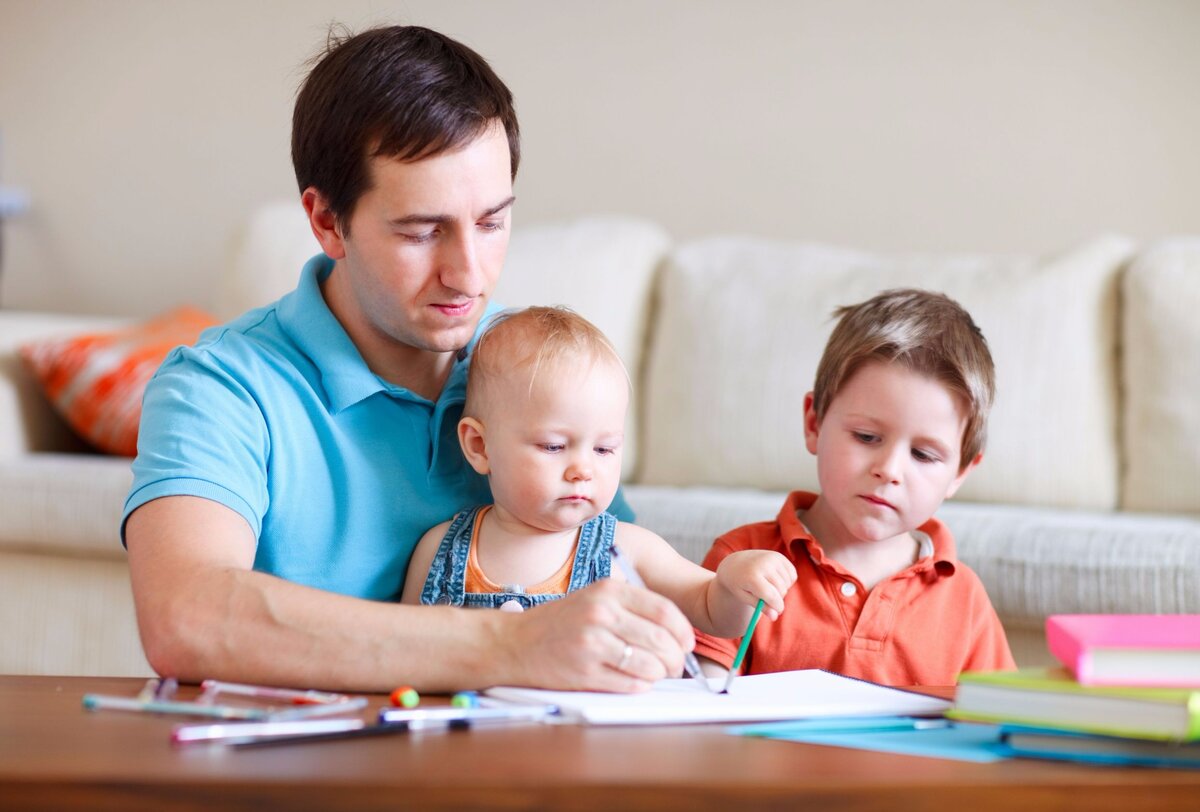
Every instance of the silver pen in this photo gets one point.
(690, 663)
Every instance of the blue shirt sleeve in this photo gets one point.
(202, 434)
(620, 507)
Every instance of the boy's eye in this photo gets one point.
(865, 437)
(923, 456)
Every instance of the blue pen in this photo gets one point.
(690, 663)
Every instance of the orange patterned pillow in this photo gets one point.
(96, 381)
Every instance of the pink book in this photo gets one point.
(1134, 650)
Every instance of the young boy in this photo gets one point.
(897, 419)
(544, 420)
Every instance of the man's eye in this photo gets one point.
(417, 239)
(492, 225)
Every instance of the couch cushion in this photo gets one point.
(27, 421)
(1161, 363)
(96, 380)
(63, 503)
(742, 323)
(601, 267)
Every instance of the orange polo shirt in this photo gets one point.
(922, 626)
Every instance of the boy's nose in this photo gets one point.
(888, 465)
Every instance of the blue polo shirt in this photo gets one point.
(339, 473)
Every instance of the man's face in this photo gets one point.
(423, 251)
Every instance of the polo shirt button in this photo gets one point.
(848, 589)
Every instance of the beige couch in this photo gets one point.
(1088, 499)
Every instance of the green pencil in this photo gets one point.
(741, 652)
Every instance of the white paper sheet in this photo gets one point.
(758, 697)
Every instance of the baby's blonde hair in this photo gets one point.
(531, 338)
(929, 334)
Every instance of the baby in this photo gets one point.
(544, 420)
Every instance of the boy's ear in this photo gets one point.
(474, 445)
(812, 425)
(962, 475)
(323, 223)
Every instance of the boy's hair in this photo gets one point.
(402, 92)
(930, 334)
(533, 337)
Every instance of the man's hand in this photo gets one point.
(611, 636)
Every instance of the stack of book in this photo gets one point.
(1128, 692)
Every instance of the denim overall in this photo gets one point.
(447, 573)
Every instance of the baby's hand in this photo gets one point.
(750, 575)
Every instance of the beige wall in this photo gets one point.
(146, 130)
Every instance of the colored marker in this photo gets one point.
(252, 731)
(741, 652)
(213, 687)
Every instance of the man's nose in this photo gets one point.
(459, 266)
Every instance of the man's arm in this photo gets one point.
(204, 613)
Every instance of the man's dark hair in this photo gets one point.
(401, 92)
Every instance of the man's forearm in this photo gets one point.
(246, 626)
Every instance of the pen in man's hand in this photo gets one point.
(690, 663)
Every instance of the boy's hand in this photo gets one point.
(751, 575)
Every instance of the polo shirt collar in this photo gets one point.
(802, 544)
(308, 321)
(345, 376)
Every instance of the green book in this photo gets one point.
(1050, 697)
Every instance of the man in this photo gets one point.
(289, 463)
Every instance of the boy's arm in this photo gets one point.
(716, 603)
(422, 559)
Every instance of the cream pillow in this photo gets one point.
(602, 268)
(742, 324)
(1161, 363)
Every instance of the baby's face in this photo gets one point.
(554, 450)
(888, 450)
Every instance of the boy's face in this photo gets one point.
(553, 452)
(887, 450)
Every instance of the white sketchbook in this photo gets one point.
(754, 698)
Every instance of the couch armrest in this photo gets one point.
(28, 423)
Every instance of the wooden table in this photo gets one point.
(55, 755)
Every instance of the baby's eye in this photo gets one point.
(552, 448)
(604, 451)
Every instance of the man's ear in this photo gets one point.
(474, 444)
(962, 475)
(323, 223)
(812, 426)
